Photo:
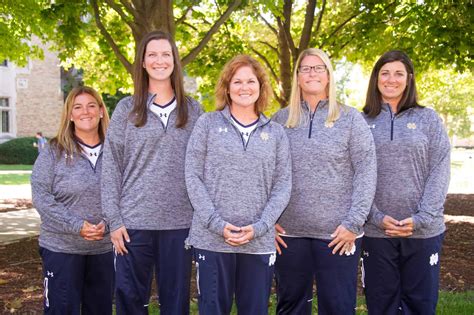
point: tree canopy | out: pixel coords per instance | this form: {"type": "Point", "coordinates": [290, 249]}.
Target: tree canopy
{"type": "Point", "coordinates": [100, 36]}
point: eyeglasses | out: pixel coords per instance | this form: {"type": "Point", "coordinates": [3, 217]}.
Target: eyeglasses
{"type": "Point", "coordinates": [317, 69]}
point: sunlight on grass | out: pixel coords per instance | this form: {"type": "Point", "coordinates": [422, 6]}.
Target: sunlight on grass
{"type": "Point", "coordinates": [14, 179]}
{"type": "Point", "coordinates": [15, 167]}
{"type": "Point", "coordinates": [461, 303]}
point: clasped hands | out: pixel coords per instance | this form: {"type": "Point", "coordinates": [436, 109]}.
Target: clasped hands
{"type": "Point", "coordinates": [237, 236]}
{"type": "Point", "coordinates": [397, 228]}
{"type": "Point", "coordinates": [92, 232]}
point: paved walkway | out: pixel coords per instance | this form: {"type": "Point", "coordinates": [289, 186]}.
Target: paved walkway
{"type": "Point", "coordinates": [15, 191]}
{"type": "Point", "coordinates": [15, 225]}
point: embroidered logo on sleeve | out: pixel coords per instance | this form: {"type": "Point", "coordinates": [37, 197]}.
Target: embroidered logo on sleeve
{"type": "Point", "coordinates": [411, 126]}
{"type": "Point", "coordinates": [372, 126]}
{"type": "Point", "coordinates": [434, 259]}
{"type": "Point", "coordinates": [222, 129]}
{"type": "Point", "coordinates": [264, 136]}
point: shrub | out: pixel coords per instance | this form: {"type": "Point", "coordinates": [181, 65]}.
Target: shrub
{"type": "Point", "coordinates": [18, 151]}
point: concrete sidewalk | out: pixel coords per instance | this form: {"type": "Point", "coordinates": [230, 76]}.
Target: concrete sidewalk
{"type": "Point", "coordinates": [15, 191]}
{"type": "Point", "coordinates": [15, 225]}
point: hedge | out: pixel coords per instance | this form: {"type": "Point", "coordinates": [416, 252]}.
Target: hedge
{"type": "Point", "coordinates": [18, 151]}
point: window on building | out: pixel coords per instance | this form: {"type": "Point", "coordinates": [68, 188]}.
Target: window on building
{"type": "Point", "coordinates": [5, 115]}
{"type": "Point", "coordinates": [4, 63]}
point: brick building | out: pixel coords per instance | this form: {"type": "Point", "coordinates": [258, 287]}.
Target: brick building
{"type": "Point", "coordinates": [31, 99]}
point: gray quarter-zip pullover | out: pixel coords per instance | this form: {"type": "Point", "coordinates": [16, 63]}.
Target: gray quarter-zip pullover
{"type": "Point", "coordinates": [334, 173]}
{"type": "Point", "coordinates": [233, 181]}
{"type": "Point", "coordinates": [413, 165]}
{"type": "Point", "coordinates": [65, 195]}
{"type": "Point", "coordinates": [143, 183]}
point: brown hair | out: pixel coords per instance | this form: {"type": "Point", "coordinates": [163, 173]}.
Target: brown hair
{"type": "Point", "coordinates": [65, 140]}
{"type": "Point", "coordinates": [141, 82]}
{"type": "Point", "coordinates": [231, 67]}
{"type": "Point", "coordinates": [373, 102]}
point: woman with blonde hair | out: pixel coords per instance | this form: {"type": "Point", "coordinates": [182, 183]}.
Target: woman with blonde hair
{"type": "Point", "coordinates": [238, 175]}
{"type": "Point", "coordinates": [74, 243]}
{"type": "Point", "coordinates": [334, 175]}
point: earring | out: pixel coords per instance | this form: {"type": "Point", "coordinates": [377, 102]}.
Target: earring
{"type": "Point", "coordinates": [72, 119]}
{"type": "Point", "coordinates": [101, 116]}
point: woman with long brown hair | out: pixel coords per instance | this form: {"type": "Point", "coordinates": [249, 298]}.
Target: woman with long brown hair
{"type": "Point", "coordinates": [74, 242]}
{"type": "Point", "coordinates": [143, 189]}
{"type": "Point", "coordinates": [405, 230]}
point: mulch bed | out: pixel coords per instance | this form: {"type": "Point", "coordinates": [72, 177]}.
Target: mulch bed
{"type": "Point", "coordinates": [21, 279]}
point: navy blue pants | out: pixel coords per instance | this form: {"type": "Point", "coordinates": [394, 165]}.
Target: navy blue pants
{"type": "Point", "coordinates": [163, 251]}
{"type": "Point", "coordinates": [306, 260]}
{"type": "Point", "coordinates": [221, 275]}
{"type": "Point", "coordinates": [77, 284]}
{"type": "Point", "coordinates": [401, 275]}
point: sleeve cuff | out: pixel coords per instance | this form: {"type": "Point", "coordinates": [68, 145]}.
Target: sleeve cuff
{"type": "Point", "coordinates": [217, 226]}
{"type": "Point", "coordinates": [260, 228]}
{"type": "Point", "coordinates": [357, 230]}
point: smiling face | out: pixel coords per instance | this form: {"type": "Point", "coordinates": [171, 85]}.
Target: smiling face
{"type": "Point", "coordinates": [313, 83]}
{"type": "Point", "coordinates": [392, 81]}
{"type": "Point", "coordinates": [158, 60]}
{"type": "Point", "coordinates": [244, 88]}
{"type": "Point", "coordinates": [86, 114]}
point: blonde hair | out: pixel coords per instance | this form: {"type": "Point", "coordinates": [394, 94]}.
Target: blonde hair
{"type": "Point", "coordinates": [231, 67]}
{"type": "Point", "coordinates": [65, 138]}
{"type": "Point", "coordinates": [295, 116]}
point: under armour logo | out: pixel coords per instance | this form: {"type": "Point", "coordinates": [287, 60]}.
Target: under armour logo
{"type": "Point", "coordinates": [93, 154]}
{"type": "Point", "coordinates": [223, 129]}
{"type": "Point", "coordinates": [202, 257]}
{"type": "Point", "coordinates": [364, 253]}
{"type": "Point", "coordinates": [50, 274]}
{"type": "Point", "coordinates": [163, 115]}
{"type": "Point", "coordinates": [245, 134]}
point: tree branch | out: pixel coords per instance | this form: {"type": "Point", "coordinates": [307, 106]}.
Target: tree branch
{"type": "Point", "coordinates": [129, 8]}
{"type": "Point", "coordinates": [120, 12]}
{"type": "Point", "coordinates": [273, 48]}
{"type": "Point", "coordinates": [320, 18]}
{"type": "Point", "coordinates": [183, 17]}
{"type": "Point", "coordinates": [190, 25]}
{"type": "Point", "coordinates": [265, 60]}
{"type": "Point", "coordinates": [286, 26]}
{"type": "Point", "coordinates": [222, 19]}
{"type": "Point", "coordinates": [340, 26]}
{"type": "Point", "coordinates": [308, 25]}
{"type": "Point", "coordinates": [269, 25]}
{"type": "Point", "coordinates": [109, 38]}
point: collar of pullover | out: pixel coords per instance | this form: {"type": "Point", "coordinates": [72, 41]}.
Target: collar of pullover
{"type": "Point", "coordinates": [386, 108]}
{"type": "Point", "coordinates": [262, 119]}
{"type": "Point", "coordinates": [322, 104]}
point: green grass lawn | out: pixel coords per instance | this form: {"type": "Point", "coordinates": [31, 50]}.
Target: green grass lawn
{"type": "Point", "coordinates": [15, 167]}
{"type": "Point", "coordinates": [448, 304]}
{"type": "Point", "coordinates": [14, 179]}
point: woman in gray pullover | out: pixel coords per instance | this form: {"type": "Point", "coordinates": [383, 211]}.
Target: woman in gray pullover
{"type": "Point", "coordinates": [334, 176]}
{"type": "Point", "coordinates": [402, 243]}
{"type": "Point", "coordinates": [143, 188]}
{"type": "Point", "coordinates": [74, 244]}
{"type": "Point", "coordinates": [238, 175]}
